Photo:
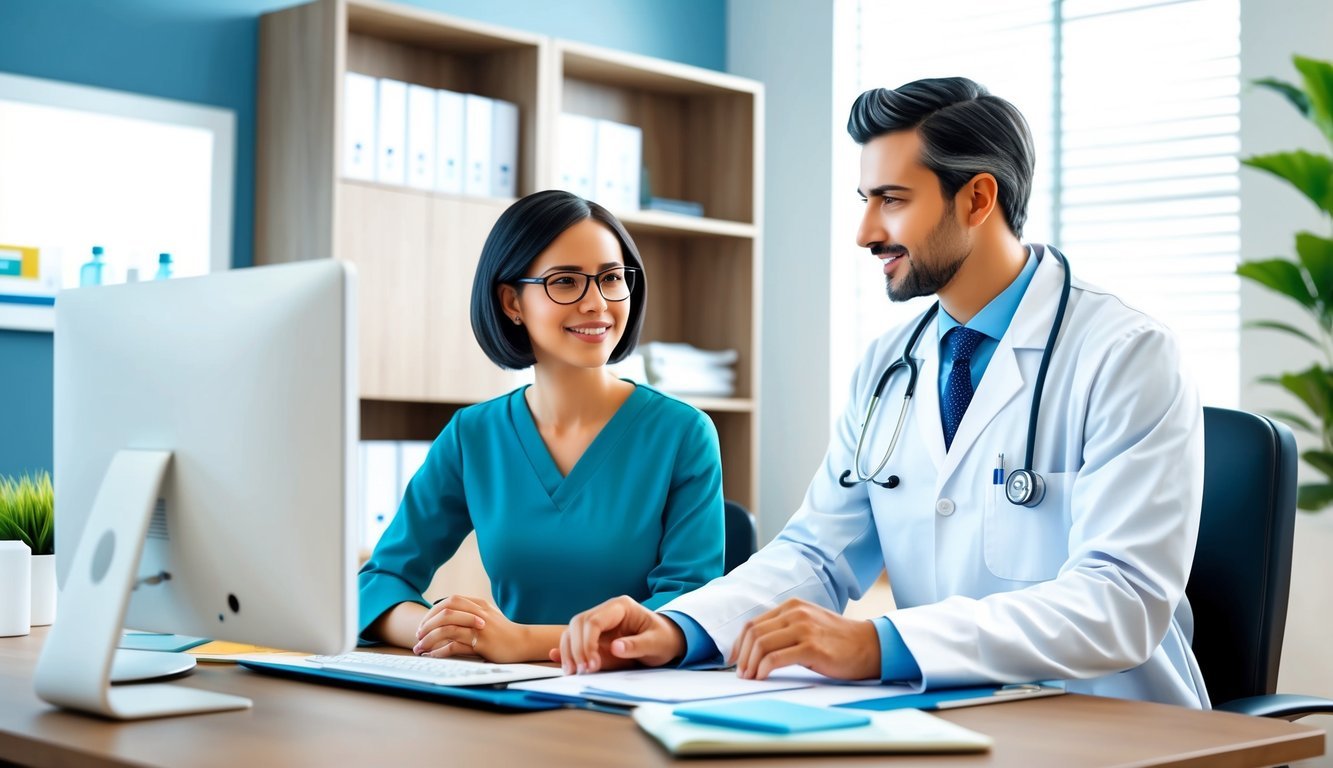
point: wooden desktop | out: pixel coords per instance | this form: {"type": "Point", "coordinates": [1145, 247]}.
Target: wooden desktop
{"type": "Point", "coordinates": [295, 724]}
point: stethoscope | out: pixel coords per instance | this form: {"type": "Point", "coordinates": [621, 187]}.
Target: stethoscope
{"type": "Point", "coordinates": [1023, 486]}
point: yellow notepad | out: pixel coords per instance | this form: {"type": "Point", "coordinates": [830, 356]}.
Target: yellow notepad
{"type": "Point", "coordinates": [221, 651]}
{"type": "Point", "coordinates": [903, 730]}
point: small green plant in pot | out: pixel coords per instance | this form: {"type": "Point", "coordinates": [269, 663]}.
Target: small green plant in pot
{"type": "Point", "coordinates": [27, 514]}
{"type": "Point", "coordinates": [1307, 279]}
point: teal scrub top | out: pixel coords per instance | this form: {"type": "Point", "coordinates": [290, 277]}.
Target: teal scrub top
{"type": "Point", "coordinates": [640, 514]}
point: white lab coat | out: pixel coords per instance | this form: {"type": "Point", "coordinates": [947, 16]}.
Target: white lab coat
{"type": "Point", "coordinates": [1087, 587]}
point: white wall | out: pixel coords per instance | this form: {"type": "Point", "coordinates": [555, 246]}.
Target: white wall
{"type": "Point", "coordinates": [1271, 213]}
{"type": "Point", "coordinates": [789, 47]}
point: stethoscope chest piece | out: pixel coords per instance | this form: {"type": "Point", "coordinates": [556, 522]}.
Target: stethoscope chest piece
{"type": "Point", "coordinates": [1024, 487]}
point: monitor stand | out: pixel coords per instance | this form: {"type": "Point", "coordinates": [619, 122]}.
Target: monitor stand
{"type": "Point", "coordinates": [132, 666]}
{"type": "Point", "coordinates": [74, 670]}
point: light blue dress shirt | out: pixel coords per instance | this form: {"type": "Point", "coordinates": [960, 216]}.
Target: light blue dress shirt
{"type": "Point", "coordinates": [640, 514]}
{"type": "Point", "coordinates": [896, 661]}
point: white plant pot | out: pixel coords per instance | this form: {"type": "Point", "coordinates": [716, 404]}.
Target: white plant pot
{"type": "Point", "coordinates": [43, 590]}
{"type": "Point", "coordinates": [15, 588]}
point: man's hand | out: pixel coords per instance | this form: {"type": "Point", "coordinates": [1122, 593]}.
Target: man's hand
{"type": "Point", "coordinates": [798, 632]}
{"type": "Point", "coordinates": [619, 628]}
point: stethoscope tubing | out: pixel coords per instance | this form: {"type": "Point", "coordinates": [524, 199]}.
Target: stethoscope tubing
{"type": "Point", "coordinates": [908, 362]}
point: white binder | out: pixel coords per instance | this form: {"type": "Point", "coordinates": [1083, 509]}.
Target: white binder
{"type": "Point", "coordinates": [477, 142]}
{"type": "Point", "coordinates": [392, 133]}
{"type": "Point", "coordinates": [619, 163]}
{"type": "Point", "coordinates": [576, 141]}
{"type": "Point", "coordinates": [504, 149]}
{"type": "Point", "coordinates": [380, 492]}
{"type": "Point", "coordinates": [450, 127]}
{"type": "Point", "coordinates": [359, 115]}
{"type": "Point", "coordinates": [420, 137]}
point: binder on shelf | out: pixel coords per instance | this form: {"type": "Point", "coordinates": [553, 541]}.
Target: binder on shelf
{"type": "Point", "coordinates": [576, 141]}
{"type": "Point", "coordinates": [392, 132]}
{"type": "Point", "coordinates": [420, 137]}
{"type": "Point", "coordinates": [411, 455]}
{"type": "Point", "coordinates": [477, 111]}
{"type": "Point", "coordinates": [379, 488]}
{"type": "Point", "coordinates": [619, 164]}
{"type": "Point", "coordinates": [504, 149]}
{"type": "Point", "coordinates": [450, 128]}
{"type": "Point", "coordinates": [359, 117]}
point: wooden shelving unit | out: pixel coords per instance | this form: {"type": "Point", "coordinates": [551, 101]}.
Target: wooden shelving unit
{"type": "Point", "coordinates": [416, 251]}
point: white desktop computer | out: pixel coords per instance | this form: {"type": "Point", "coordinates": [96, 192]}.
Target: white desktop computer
{"type": "Point", "coordinates": [205, 470]}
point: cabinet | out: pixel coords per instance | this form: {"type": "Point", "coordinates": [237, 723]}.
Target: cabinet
{"type": "Point", "coordinates": [416, 251]}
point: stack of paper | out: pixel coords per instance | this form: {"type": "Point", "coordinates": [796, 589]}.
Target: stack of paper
{"type": "Point", "coordinates": [657, 685]}
{"type": "Point", "coordinates": [683, 369]}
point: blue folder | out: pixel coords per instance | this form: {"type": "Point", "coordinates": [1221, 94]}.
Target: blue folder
{"type": "Point", "coordinates": [953, 698]}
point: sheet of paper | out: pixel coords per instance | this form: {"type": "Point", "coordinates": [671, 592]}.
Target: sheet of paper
{"type": "Point", "coordinates": [663, 685]}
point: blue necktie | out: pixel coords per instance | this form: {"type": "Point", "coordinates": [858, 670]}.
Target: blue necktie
{"type": "Point", "coordinates": [960, 342]}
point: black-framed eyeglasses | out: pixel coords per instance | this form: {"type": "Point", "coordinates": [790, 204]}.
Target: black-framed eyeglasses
{"type": "Point", "coordinates": [614, 284]}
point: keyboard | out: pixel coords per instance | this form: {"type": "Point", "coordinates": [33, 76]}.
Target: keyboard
{"type": "Point", "coordinates": [424, 669]}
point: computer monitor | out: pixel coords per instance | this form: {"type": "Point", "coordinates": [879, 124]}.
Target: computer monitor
{"type": "Point", "coordinates": [205, 449]}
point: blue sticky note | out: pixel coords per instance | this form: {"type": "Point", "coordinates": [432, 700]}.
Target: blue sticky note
{"type": "Point", "coordinates": [771, 716]}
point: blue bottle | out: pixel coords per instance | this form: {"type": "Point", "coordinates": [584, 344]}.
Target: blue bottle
{"type": "Point", "coordinates": [163, 267]}
{"type": "Point", "coordinates": [91, 272]}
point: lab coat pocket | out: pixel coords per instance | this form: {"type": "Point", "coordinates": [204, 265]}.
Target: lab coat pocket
{"type": "Point", "coordinates": [1028, 543]}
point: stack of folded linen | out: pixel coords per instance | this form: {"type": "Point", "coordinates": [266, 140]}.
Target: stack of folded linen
{"type": "Point", "coordinates": [682, 369]}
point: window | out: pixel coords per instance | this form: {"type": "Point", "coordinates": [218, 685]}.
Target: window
{"type": "Point", "coordinates": [83, 167]}
{"type": "Point", "coordinates": [1134, 107]}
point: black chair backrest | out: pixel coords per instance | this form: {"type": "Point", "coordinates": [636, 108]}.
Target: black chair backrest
{"type": "Point", "coordinates": [1242, 567]}
{"type": "Point", "coordinates": [741, 540]}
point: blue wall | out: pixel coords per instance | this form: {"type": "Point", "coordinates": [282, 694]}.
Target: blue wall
{"type": "Point", "coordinates": [205, 51]}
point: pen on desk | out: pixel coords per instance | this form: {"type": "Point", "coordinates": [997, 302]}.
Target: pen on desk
{"type": "Point", "coordinates": [997, 477]}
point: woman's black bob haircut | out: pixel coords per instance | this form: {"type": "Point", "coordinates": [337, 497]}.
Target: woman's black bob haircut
{"type": "Point", "coordinates": [523, 231]}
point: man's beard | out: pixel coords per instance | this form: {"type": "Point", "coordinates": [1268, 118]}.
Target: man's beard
{"type": "Point", "coordinates": [947, 250]}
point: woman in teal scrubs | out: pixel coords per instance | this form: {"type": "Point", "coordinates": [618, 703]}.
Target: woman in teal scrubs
{"type": "Point", "coordinates": [581, 486]}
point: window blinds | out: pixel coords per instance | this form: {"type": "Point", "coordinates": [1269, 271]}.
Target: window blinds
{"type": "Point", "coordinates": [1134, 108]}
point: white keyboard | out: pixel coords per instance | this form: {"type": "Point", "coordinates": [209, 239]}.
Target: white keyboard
{"type": "Point", "coordinates": [424, 669]}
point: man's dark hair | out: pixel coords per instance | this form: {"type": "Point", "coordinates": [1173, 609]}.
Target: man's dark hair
{"type": "Point", "coordinates": [964, 131]}
{"type": "Point", "coordinates": [522, 232]}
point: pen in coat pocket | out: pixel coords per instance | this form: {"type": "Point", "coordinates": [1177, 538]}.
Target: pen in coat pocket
{"type": "Point", "coordinates": [997, 477]}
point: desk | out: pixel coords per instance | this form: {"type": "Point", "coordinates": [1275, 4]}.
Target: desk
{"type": "Point", "coordinates": [300, 724]}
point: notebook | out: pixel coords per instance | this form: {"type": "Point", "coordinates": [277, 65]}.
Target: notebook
{"type": "Point", "coordinates": [903, 730]}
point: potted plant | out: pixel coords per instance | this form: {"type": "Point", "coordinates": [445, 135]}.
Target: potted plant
{"type": "Point", "coordinates": [1307, 279]}
{"type": "Point", "coordinates": [27, 514]}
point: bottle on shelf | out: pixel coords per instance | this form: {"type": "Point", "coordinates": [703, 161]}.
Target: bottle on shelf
{"type": "Point", "coordinates": [163, 267]}
{"type": "Point", "coordinates": [91, 272]}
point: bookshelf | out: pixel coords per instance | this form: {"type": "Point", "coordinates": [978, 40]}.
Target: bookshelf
{"type": "Point", "coordinates": [416, 250]}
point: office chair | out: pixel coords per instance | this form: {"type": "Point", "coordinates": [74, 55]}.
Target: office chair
{"type": "Point", "coordinates": [740, 540]}
{"type": "Point", "coordinates": [1241, 578]}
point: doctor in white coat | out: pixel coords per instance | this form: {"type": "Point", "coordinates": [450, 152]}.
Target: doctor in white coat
{"type": "Point", "coordinates": [1088, 584]}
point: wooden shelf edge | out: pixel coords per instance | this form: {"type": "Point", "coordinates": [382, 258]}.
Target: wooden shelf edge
{"type": "Point", "coordinates": [660, 222]}
{"type": "Point", "coordinates": [585, 61]}
{"type": "Point", "coordinates": [720, 404]}
{"type": "Point", "coordinates": [394, 14]}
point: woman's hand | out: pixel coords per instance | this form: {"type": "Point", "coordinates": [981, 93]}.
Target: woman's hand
{"type": "Point", "coordinates": [473, 626]}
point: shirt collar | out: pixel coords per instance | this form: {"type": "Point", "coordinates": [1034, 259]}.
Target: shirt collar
{"type": "Point", "coordinates": [994, 318]}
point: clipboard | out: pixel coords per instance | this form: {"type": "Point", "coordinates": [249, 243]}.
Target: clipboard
{"type": "Point", "coordinates": [954, 698]}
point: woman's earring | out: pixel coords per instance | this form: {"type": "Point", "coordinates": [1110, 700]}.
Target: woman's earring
{"type": "Point", "coordinates": [517, 321]}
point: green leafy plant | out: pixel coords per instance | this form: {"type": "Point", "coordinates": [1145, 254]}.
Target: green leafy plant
{"type": "Point", "coordinates": [1308, 279]}
{"type": "Point", "coordinates": [27, 512]}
